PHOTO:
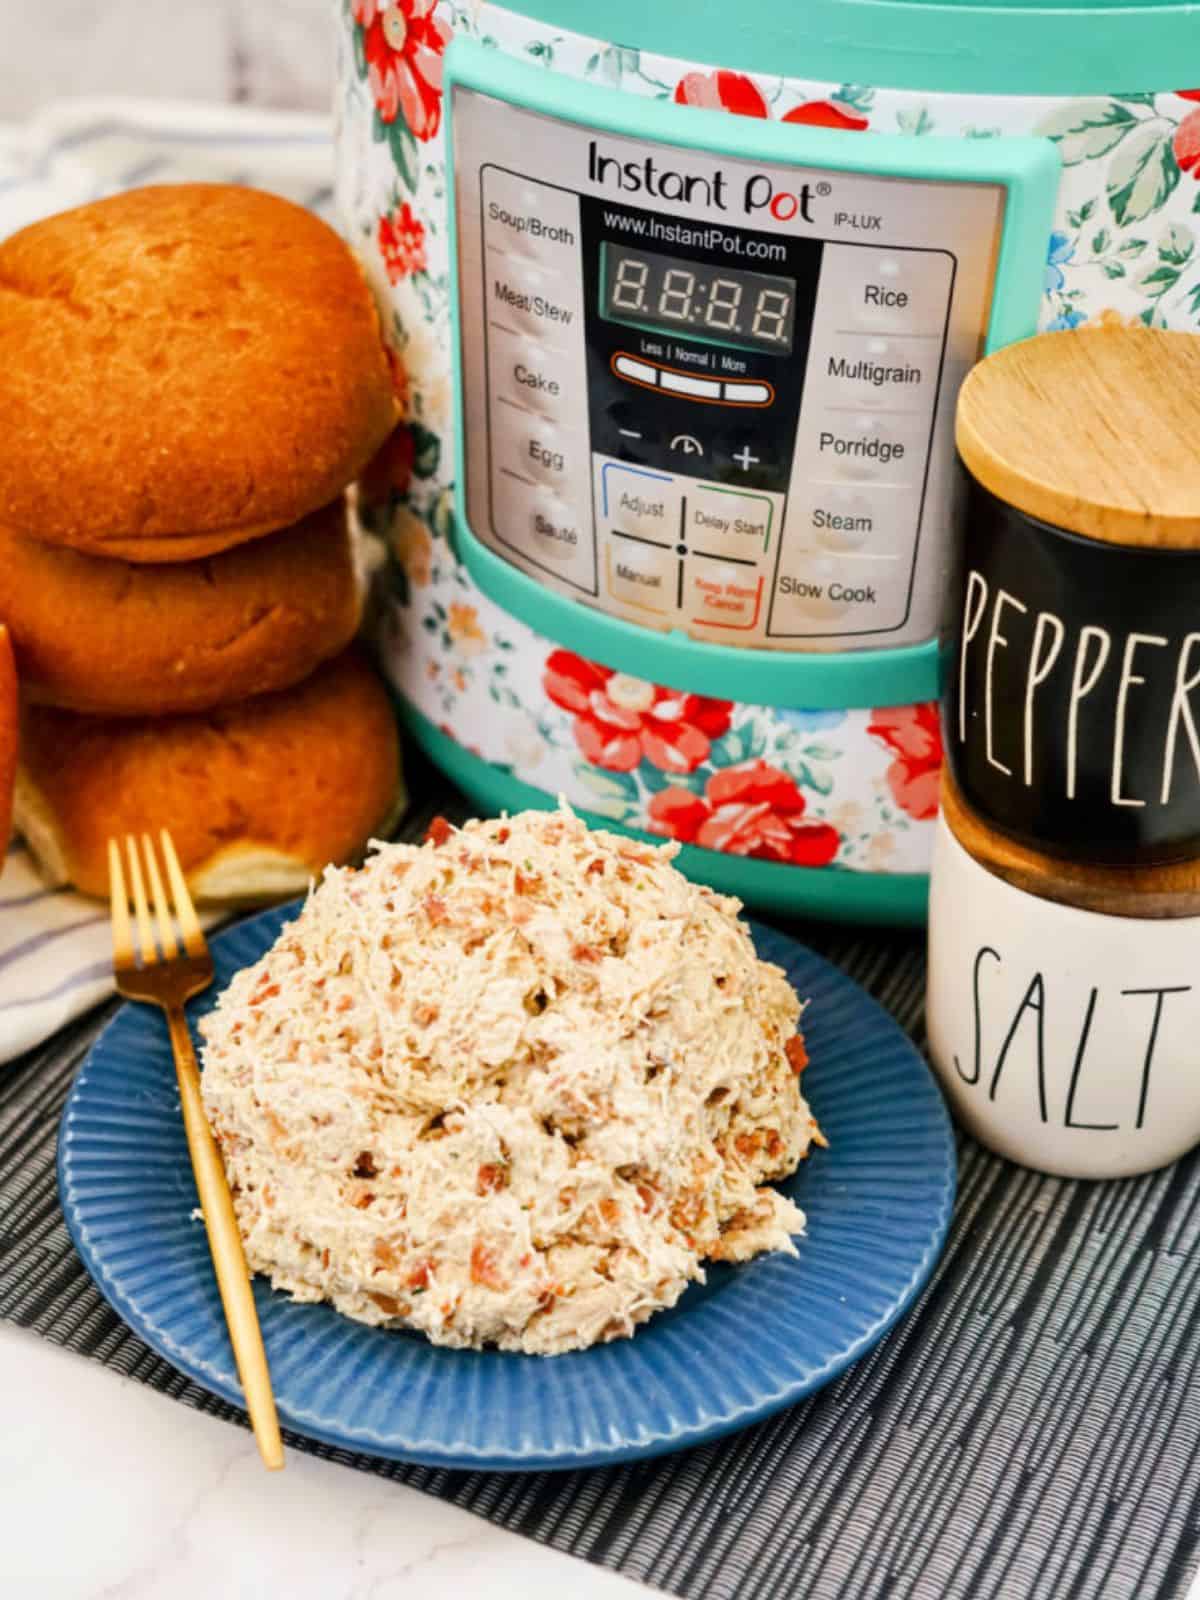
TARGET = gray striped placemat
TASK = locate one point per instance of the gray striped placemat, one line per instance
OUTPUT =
(1029, 1430)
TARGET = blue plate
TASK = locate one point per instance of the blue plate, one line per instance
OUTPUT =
(753, 1339)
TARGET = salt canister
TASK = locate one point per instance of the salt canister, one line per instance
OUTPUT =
(1064, 935)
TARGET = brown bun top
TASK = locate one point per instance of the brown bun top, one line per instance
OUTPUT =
(307, 774)
(182, 368)
(119, 640)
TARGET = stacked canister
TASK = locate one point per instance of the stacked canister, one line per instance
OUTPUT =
(1064, 977)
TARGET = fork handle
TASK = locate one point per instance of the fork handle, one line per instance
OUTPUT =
(225, 1243)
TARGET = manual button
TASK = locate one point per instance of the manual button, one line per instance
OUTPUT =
(641, 575)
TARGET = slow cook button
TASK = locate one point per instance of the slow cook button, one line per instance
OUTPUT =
(535, 448)
(633, 500)
(530, 374)
(815, 593)
(641, 576)
(717, 594)
(524, 298)
(722, 523)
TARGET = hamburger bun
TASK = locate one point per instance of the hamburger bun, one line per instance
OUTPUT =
(122, 640)
(183, 368)
(8, 734)
(258, 797)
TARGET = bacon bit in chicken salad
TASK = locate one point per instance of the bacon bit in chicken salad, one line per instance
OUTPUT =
(509, 1087)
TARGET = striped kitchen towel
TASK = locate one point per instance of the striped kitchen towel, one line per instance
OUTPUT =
(55, 954)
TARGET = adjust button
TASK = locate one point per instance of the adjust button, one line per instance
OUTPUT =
(635, 501)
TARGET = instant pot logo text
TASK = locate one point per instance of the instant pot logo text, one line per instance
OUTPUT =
(756, 197)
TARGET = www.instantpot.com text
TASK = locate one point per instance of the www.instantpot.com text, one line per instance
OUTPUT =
(705, 236)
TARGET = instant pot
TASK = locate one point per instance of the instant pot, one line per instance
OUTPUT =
(680, 299)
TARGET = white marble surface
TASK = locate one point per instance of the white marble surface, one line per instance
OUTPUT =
(110, 1490)
(266, 52)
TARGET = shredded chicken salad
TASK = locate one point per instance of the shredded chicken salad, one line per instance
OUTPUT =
(509, 1087)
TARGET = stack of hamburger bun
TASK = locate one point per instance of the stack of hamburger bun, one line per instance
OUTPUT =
(189, 378)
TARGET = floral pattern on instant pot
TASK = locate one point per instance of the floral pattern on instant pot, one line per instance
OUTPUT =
(857, 787)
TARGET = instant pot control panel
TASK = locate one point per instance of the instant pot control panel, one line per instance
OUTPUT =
(710, 393)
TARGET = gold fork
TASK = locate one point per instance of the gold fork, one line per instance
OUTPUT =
(167, 978)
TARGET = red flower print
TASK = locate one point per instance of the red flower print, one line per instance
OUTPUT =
(721, 91)
(1188, 94)
(403, 42)
(827, 114)
(915, 735)
(619, 720)
(1186, 144)
(402, 243)
(751, 810)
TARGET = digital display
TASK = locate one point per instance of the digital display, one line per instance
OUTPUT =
(753, 310)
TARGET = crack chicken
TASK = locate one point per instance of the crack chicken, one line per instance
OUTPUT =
(510, 1087)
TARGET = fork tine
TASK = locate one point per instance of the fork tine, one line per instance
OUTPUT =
(162, 908)
(189, 926)
(145, 929)
(122, 930)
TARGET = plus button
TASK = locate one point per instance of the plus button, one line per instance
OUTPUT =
(744, 459)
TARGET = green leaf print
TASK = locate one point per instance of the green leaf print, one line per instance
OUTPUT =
(404, 152)
(655, 781)
(1113, 269)
(1078, 218)
(1142, 173)
(915, 122)
(616, 793)
(857, 95)
(427, 451)
(1175, 244)
(1129, 248)
(360, 51)
(1086, 129)
(1101, 242)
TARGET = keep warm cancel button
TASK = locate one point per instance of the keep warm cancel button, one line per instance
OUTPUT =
(722, 596)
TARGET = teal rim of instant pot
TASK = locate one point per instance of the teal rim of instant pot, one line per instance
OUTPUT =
(897, 899)
(1028, 169)
(1006, 47)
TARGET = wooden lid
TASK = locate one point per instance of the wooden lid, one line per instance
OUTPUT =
(1093, 430)
(1160, 891)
